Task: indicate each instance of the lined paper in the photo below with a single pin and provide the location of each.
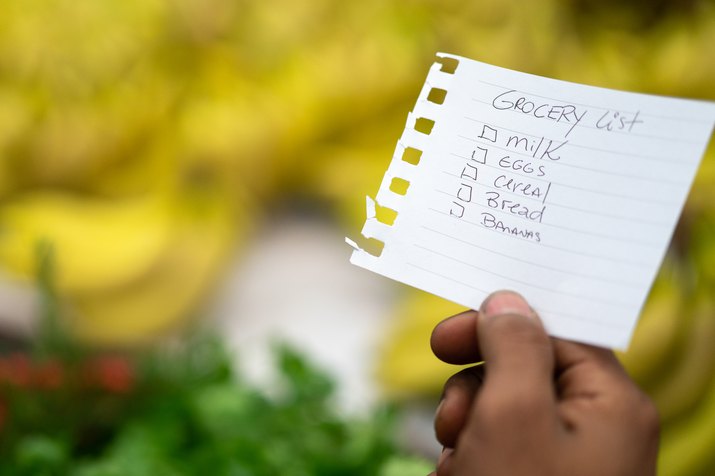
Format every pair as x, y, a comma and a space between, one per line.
566, 193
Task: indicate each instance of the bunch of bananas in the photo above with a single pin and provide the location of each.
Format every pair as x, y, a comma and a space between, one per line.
144, 138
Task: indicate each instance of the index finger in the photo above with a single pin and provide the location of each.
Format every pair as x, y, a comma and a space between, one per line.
454, 340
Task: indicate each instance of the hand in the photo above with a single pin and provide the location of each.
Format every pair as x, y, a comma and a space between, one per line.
538, 406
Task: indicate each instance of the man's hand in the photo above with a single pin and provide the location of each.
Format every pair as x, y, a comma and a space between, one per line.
538, 406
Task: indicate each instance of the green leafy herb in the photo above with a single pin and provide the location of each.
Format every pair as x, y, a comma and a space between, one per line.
65, 410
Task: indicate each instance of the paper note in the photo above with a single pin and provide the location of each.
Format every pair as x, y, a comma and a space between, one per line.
566, 193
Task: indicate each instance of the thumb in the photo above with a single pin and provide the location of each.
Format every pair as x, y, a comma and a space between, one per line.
518, 353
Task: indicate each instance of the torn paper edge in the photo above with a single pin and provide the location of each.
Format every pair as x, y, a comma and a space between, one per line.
397, 168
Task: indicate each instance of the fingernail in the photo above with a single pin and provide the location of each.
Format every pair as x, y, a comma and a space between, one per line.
505, 302
442, 402
439, 407
445, 453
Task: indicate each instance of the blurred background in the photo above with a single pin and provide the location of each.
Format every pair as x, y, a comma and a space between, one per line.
181, 168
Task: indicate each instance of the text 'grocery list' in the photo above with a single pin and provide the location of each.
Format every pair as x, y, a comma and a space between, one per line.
566, 193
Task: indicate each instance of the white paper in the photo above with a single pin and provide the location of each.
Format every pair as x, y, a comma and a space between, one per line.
566, 193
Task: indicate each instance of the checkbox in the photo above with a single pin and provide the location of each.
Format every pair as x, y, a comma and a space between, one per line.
457, 211
470, 172
479, 155
465, 193
488, 133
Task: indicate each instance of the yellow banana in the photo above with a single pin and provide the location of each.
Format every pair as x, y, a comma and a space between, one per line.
91, 102
98, 244
701, 247
694, 366
687, 445
703, 191
407, 365
659, 332
350, 170
201, 240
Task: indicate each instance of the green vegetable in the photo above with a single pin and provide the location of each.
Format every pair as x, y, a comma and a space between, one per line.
178, 412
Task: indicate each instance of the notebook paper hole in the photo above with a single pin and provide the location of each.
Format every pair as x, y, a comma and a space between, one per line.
437, 95
424, 125
411, 155
449, 65
399, 186
373, 246
385, 215
458, 236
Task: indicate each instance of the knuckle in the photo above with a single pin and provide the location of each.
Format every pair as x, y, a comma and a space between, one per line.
473, 375
639, 408
469, 379
522, 412
455, 380
648, 415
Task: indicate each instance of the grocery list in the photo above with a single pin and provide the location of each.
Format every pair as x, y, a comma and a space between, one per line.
566, 193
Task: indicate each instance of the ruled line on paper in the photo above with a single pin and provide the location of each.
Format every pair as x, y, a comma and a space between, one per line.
583, 317
586, 126
566, 164
546, 245
510, 172
673, 118
579, 317
563, 101
608, 215
579, 223
630, 154
580, 146
553, 225
583, 189
616, 304
559, 205
482, 184
453, 280
540, 265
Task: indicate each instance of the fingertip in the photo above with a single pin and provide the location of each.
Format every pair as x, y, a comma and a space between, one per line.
506, 302
506, 318
517, 350
444, 463
453, 411
454, 340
